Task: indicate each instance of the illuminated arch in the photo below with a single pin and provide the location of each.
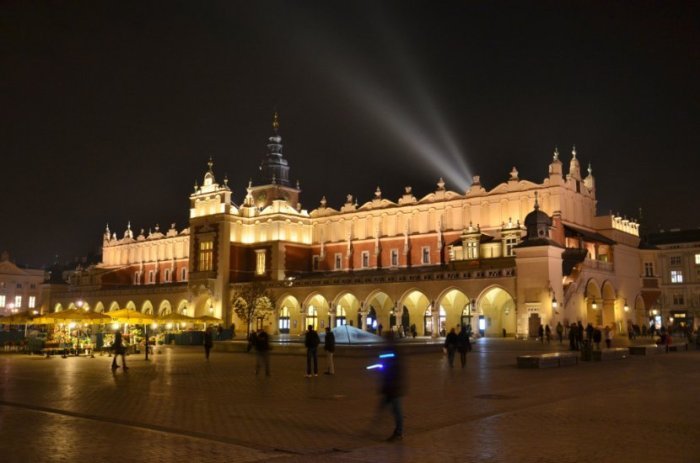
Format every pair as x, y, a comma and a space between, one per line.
495, 308
346, 309
318, 302
147, 307
164, 308
413, 303
454, 301
58, 307
289, 317
384, 306
113, 306
99, 307
130, 305
182, 306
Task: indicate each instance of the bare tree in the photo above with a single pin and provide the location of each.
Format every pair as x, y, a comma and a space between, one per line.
252, 301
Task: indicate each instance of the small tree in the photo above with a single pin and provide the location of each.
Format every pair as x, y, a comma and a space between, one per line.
252, 301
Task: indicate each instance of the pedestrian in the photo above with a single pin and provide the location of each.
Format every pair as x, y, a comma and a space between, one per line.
262, 352
379, 329
589, 333
597, 335
208, 343
329, 347
451, 347
311, 341
414, 332
392, 387
540, 333
560, 332
579, 334
573, 337
118, 348
608, 336
463, 345
548, 333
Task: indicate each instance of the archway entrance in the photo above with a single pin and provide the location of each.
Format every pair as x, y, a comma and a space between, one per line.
415, 304
316, 313
497, 313
384, 309
594, 303
457, 308
347, 308
289, 310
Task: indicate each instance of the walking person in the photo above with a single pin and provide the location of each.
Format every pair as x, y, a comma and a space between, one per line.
392, 387
118, 348
451, 347
608, 336
597, 335
573, 337
579, 334
548, 333
463, 345
311, 341
560, 332
262, 352
208, 343
540, 333
329, 347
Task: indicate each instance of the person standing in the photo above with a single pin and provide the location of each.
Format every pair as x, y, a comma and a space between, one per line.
560, 332
311, 341
548, 333
579, 334
597, 335
463, 345
262, 352
608, 336
119, 349
573, 337
392, 387
208, 343
451, 347
329, 347
540, 333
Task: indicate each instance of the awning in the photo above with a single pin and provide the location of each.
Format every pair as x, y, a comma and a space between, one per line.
574, 232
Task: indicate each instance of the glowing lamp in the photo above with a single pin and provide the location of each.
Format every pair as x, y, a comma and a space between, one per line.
115, 325
555, 304
594, 305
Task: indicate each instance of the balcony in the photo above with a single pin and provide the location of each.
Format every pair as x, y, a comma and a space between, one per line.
599, 265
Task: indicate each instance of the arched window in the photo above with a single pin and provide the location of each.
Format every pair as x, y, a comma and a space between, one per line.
284, 320
340, 316
311, 317
166, 275
183, 275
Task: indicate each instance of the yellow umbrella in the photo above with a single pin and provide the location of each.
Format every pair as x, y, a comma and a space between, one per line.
207, 319
21, 318
131, 316
83, 317
175, 318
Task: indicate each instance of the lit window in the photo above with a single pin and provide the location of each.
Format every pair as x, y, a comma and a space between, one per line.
206, 253
32, 302
2, 300
510, 243
260, 262
394, 257
18, 302
676, 276
183, 275
472, 250
338, 261
678, 299
365, 259
151, 277
166, 275
697, 259
137, 278
648, 269
426, 255
675, 260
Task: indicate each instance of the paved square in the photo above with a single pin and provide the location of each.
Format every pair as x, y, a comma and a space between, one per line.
179, 407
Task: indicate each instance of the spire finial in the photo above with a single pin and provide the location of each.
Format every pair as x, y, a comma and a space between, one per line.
537, 205
590, 169
573, 151
556, 153
225, 179
275, 121
210, 163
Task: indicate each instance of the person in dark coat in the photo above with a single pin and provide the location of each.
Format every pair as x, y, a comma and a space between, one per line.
311, 341
589, 333
597, 336
560, 332
329, 347
262, 352
208, 343
573, 337
451, 347
392, 385
579, 334
463, 345
119, 349
540, 333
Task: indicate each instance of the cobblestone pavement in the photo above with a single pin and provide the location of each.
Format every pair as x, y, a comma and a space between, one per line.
177, 407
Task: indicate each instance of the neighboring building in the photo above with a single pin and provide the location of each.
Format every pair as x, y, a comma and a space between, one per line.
507, 259
20, 288
677, 266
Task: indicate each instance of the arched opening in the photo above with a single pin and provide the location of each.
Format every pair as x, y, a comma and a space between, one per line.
99, 307
594, 303
457, 307
147, 307
316, 312
347, 311
113, 306
182, 307
58, 307
130, 305
496, 312
72, 306
414, 303
384, 309
608, 294
288, 310
165, 308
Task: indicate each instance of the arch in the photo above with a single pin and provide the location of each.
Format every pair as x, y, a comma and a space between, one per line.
454, 302
147, 307
72, 306
58, 307
639, 314
384, 307
165, 308
99, 307
345, 310
114, 305
130, 305
318, 302
289, 318
413, 302
182, 306
594, 302
495, 309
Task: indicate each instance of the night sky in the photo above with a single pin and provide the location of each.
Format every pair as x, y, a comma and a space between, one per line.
109, 111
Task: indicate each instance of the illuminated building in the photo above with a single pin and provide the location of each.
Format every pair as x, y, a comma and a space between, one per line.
20, 288
506, 259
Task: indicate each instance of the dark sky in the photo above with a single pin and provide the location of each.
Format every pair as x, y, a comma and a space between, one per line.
110, 110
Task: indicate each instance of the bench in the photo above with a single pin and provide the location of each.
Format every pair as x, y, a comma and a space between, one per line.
647, 349
613, 353
551, 360
677, 347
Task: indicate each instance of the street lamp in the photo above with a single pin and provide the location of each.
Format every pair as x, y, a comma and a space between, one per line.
626, 306
594, 304
555, 304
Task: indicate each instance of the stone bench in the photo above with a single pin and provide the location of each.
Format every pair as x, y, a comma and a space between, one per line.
647, 349
550, 360
613, 353
677, 347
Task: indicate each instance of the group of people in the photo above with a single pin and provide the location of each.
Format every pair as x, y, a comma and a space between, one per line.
593, 335
458, 342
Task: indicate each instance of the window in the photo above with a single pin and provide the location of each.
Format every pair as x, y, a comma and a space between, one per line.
394, 257
32, 286
151, 277
648, 269
338, 261
260, 262
315, 263
18, 302
676, 276
183, 275
675, 260
32, 302
365, 259
678, 299
510, 242
697, 259
2, 300
166, 275
472, 250
425, 255
206, 253
137, 277
19, 285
